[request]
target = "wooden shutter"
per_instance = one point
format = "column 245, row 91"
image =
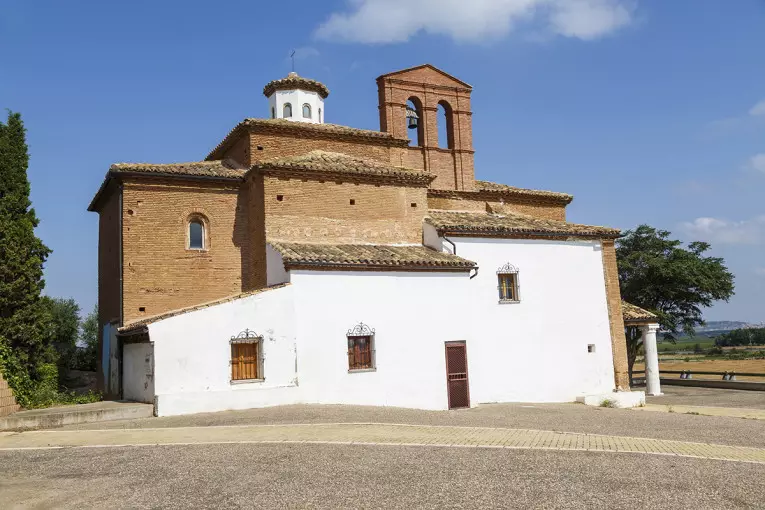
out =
column 245, row 361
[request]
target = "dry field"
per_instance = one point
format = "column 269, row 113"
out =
column 712, row 365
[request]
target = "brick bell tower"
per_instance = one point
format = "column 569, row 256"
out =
column 412, row 99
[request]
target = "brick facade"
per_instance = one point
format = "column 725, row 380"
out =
column 160, row 273
column 615, row 317
column 483, row 203
column 8, row 403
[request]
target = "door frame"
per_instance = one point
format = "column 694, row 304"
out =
column 467, row 372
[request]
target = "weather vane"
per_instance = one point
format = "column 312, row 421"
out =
column 292, row 56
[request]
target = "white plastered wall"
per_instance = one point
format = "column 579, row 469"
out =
column 537, row 350
column 192, row 355
column 532, row 351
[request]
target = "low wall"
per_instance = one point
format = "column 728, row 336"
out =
column 8, row 403
column 707, row 383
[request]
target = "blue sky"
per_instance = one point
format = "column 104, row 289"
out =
column 647, row 111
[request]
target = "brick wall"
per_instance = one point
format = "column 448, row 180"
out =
column 108, row 262
column 479, row 203
column 160, row 273
column 321, row 211
column 8, row 403
column 265, row 146
column 616, row 320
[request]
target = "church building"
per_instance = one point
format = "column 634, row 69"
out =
column 309, row 262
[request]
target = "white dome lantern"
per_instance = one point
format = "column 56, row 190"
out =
column 296, row 99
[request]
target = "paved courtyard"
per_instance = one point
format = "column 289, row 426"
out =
column 493, row 456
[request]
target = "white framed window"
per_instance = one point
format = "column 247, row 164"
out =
column 246, row 357
column 361, row 348
column 287, row 110
column 507, row 284
column 306, row 111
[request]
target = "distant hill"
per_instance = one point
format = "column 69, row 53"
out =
column 721, row 326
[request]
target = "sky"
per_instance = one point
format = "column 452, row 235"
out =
column 647, row 111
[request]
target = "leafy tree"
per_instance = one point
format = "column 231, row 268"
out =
column 65, row 315
column 89, row 338
column 674, row 282
column 744, row 336
column 24, row 320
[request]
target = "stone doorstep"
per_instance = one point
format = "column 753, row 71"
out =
column 80, row 413
column 620, row 399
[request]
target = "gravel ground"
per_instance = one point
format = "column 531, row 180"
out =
column 557, row 417
column 324, row 476
column 713, row 397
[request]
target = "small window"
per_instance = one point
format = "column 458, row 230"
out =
column 507, row 284
column 196, row 235
column 306, row 111
column 246, row 357
column 591, row 348
column 319, row 119
column 273, row 112
column 361, row 352
column 353, row 201
column 279, row 198
column 287, row 111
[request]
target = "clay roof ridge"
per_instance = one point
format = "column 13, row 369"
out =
column 293, row 81
column 496, row 187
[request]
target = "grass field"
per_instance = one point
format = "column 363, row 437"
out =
column 711, row 365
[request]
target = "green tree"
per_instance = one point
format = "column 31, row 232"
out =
column 65, row 316
column 89, row 341
column 24, row 320
column 674, row 282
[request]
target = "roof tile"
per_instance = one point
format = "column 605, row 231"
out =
column 511, row 223
column 336, row 163
column 368, row 256
column 292, row 81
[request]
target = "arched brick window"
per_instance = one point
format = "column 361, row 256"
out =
column 415, row 122
column 445, row 125
column 197, row 234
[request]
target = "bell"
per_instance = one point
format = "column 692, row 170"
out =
column 411, row 117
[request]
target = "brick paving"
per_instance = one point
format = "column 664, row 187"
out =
column 379, row 434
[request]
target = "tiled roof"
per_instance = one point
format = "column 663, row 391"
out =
column 633, row 314
column 511, row 223
column 217, row 168
column 336, row 163
column 139, row 324
column 367, row 256
column 494, row 187
column 292, row 82
column 227, row 170
column 302, row 128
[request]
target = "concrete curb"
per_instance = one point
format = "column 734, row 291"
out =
column 71, row 415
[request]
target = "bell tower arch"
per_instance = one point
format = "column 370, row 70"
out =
column 430, row 88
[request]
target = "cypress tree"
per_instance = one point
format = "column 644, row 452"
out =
column 24, row 320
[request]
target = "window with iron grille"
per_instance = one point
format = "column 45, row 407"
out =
column 361, row 351
column 507, row 284
column 247, row 357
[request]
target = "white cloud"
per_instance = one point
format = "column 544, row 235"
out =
column 715, row 230
column 757, row 162
column 395, row 21
column 758, row 109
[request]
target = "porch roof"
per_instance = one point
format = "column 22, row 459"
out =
column 636, row 316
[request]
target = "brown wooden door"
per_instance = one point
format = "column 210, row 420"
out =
column 457, row 375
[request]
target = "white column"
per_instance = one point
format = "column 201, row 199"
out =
column 652, row 384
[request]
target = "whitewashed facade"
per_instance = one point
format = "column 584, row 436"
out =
column 515, row 351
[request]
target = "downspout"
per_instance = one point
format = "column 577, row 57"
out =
column 474, row 274
column 454, row 246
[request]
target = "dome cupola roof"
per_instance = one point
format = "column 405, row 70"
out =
column 292, row 82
